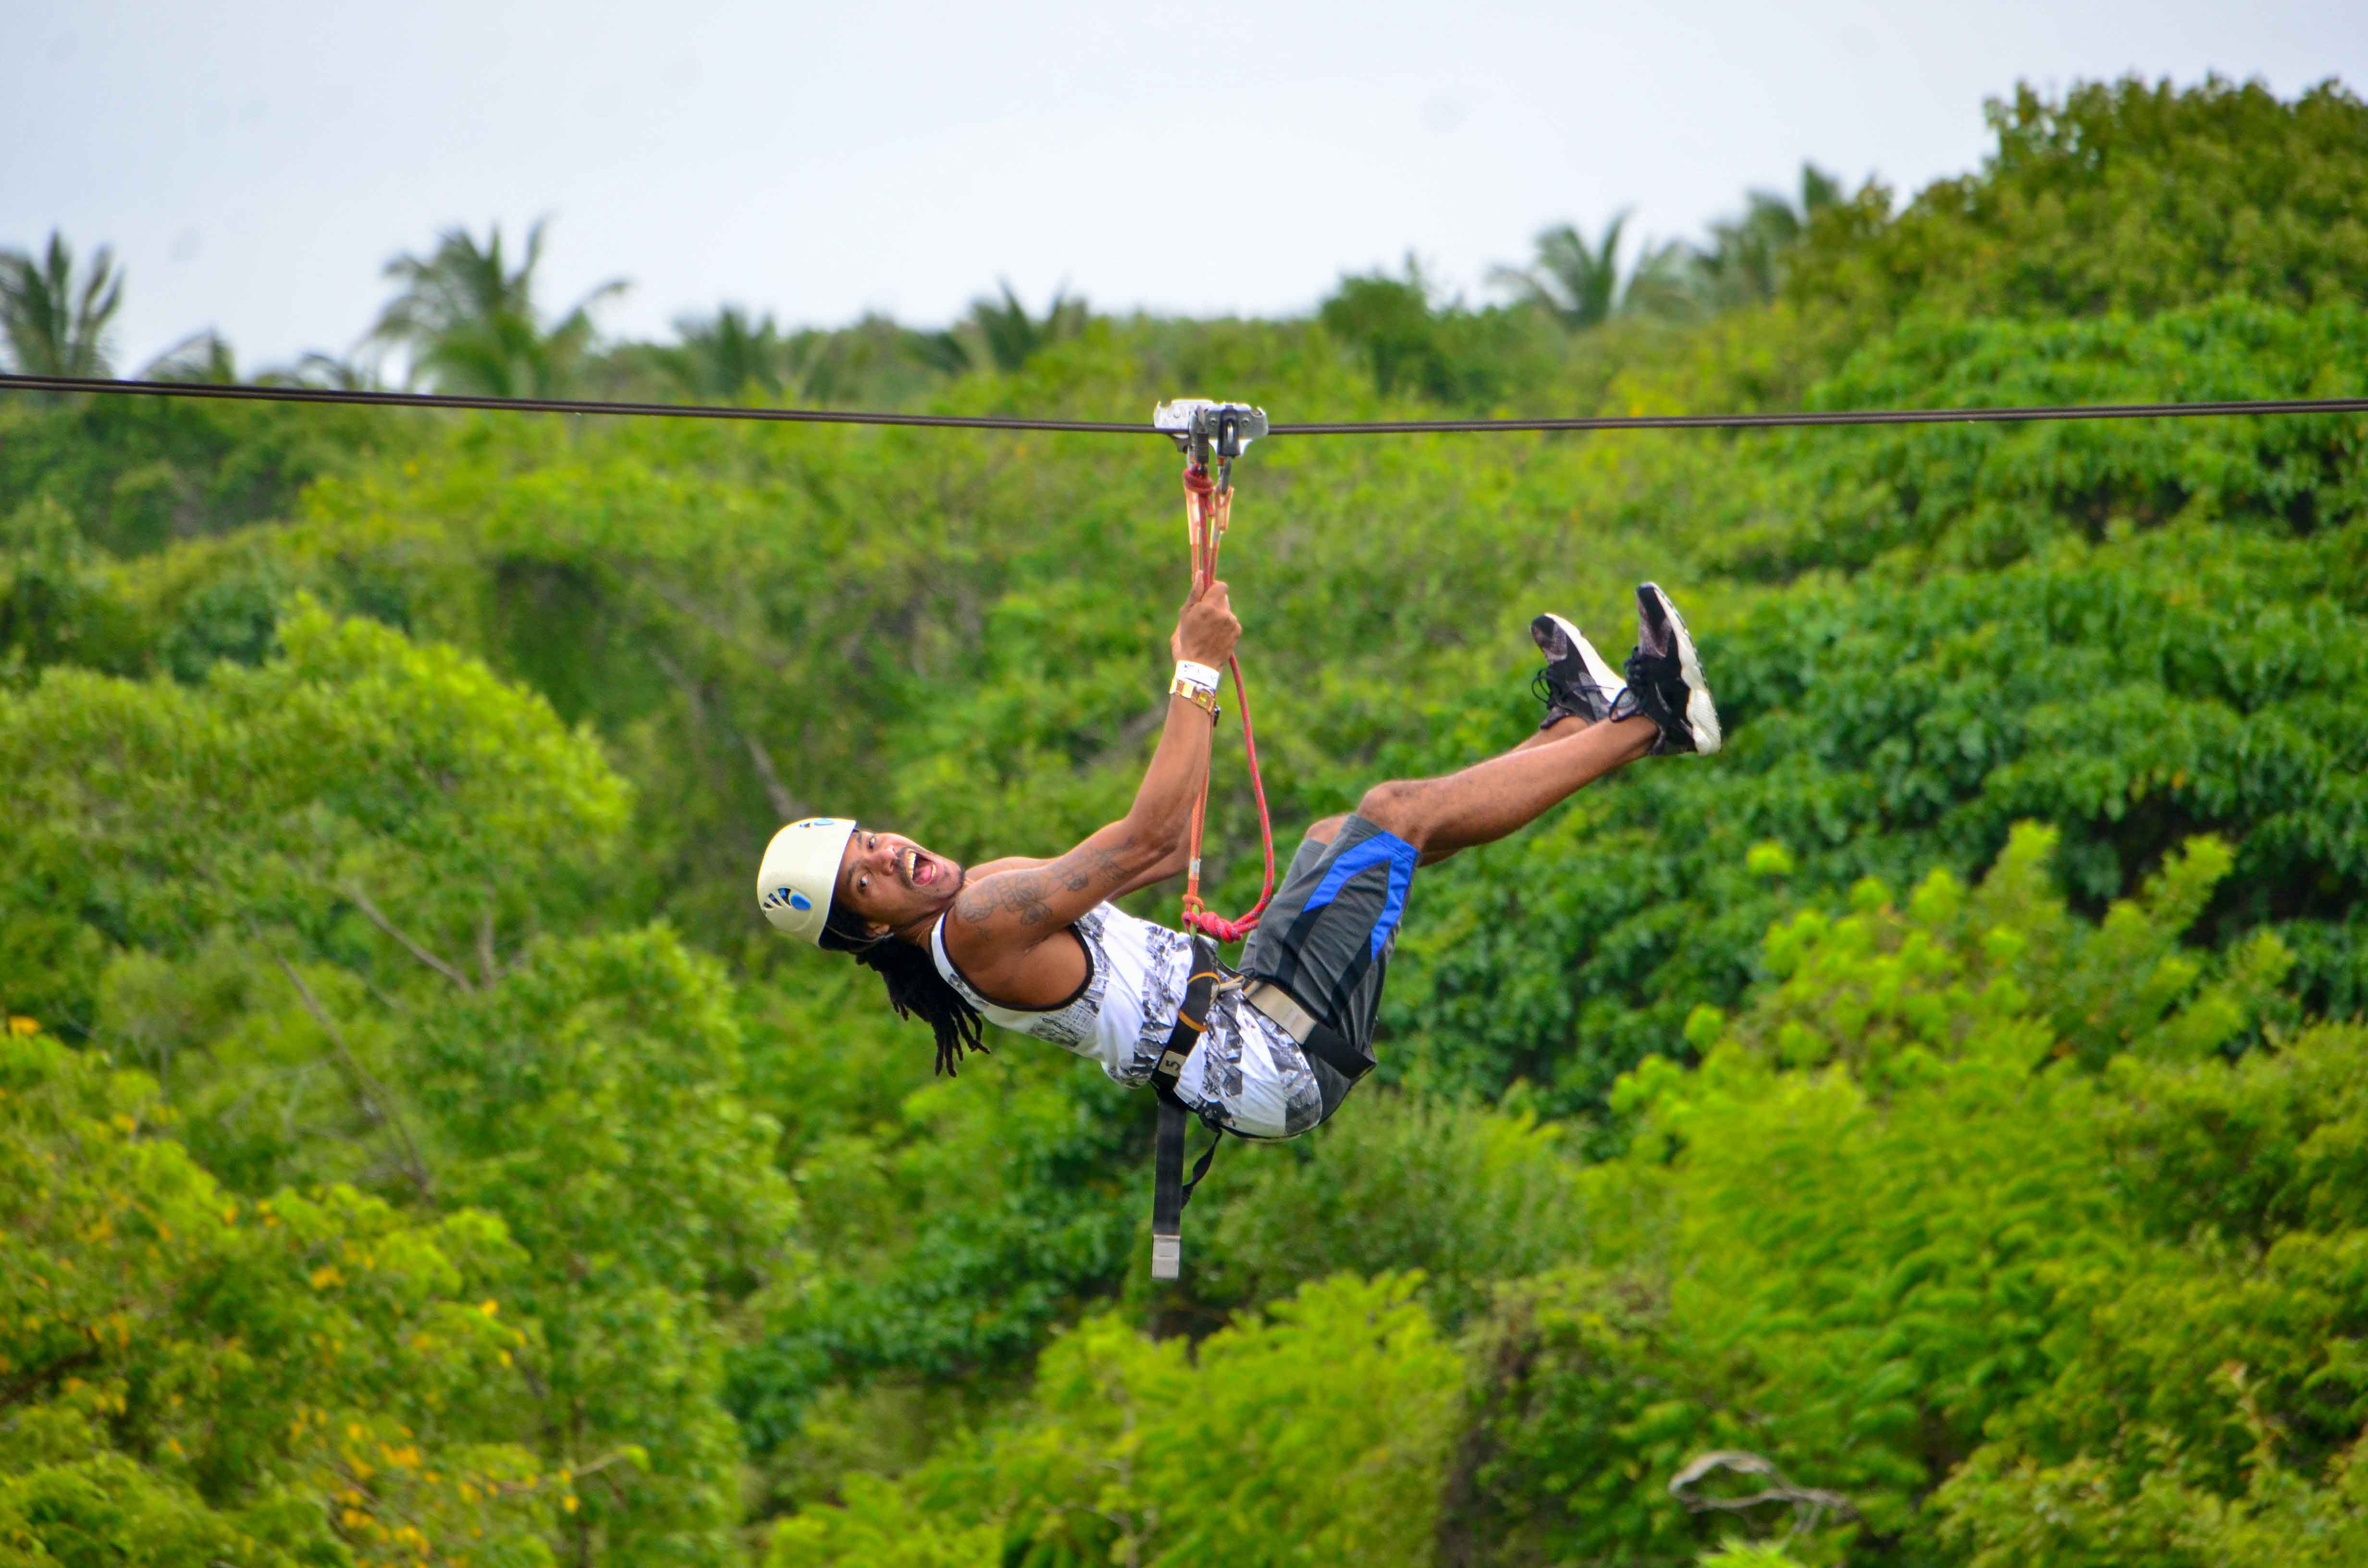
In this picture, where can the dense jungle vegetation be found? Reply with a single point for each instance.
(413, 1148)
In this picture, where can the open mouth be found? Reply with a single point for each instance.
(918, 869)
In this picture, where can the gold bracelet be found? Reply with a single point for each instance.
(1199, 697)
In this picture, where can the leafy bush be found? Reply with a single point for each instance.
(1312, 1433)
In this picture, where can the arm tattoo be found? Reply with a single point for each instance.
(1089, 864)
(1023, 892)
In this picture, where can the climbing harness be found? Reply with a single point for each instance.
(1211, 435)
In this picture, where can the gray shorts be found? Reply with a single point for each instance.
(1327, 936)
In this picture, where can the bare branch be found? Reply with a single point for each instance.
(486, 965)
(1809, 1504)
(380, 1103)
(789, 807)
(723, 631)
(786, 806)
(378, 918)
(683, 682)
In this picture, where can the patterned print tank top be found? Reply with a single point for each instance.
(1247, 1075)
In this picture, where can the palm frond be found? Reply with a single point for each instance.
(53, 324)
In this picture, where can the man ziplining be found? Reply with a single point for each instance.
(1039, 947)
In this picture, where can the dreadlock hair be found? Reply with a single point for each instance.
(914, 984)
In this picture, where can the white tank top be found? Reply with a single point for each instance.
(1247, 1072)
(1135, 973)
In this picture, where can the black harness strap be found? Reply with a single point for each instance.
(1169, 1190)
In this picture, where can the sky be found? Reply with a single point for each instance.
(255, 165)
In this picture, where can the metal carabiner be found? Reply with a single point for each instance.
(1204, 429)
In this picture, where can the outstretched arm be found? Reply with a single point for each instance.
(1002, 916)
(1173, 866)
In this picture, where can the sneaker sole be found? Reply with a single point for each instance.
(1607, 680)
(1701, 713)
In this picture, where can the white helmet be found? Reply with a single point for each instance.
(801, 872)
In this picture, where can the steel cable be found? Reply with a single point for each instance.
(245, 393)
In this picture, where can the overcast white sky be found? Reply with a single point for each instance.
(255, 165)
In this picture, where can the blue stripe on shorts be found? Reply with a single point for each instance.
(1381, 847)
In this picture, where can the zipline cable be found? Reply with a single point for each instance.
(240, 392)
(245, 393)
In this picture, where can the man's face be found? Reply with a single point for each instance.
(889, 881)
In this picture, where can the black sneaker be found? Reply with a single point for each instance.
(1665, 676)
(1577, 682)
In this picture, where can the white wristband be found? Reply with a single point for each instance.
(1199, 677)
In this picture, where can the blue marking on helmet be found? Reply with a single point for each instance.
(800, 901)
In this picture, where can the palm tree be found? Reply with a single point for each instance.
(723, 355)
(1581, 284)
(1745, 263)
(470, 323)
(939, 350)
(200, 357)
(1012, 337)
(326, 371)
(53, 325)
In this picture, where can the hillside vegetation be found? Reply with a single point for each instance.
(415, 1148)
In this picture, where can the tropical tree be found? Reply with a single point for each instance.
(492, 1059)
(723, 355)
(1012, 337)
(1745, 261)
(318, 369)
(1391, 319)
(1582, 285)
(1141, 1450)
(2132, 197)
(201, 356)
(195, 1375)
(470, 324)
(54, 324)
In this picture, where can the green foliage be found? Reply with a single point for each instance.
(137, 474)
(323, 897)
(1986, 496)
(1751, 254)
(1041, 1217)
(1946, 1101)
(1466, 1195)
(2124, 196)
(726, 354)
(1583, 1394)
(358, 774)
(55, 598)
(1012, 337)
(192, 1378)
(1449, 354)
(1311, 1434)
(1917, 1231)
(2131, 693)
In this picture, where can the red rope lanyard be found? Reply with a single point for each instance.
(1207, 510)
